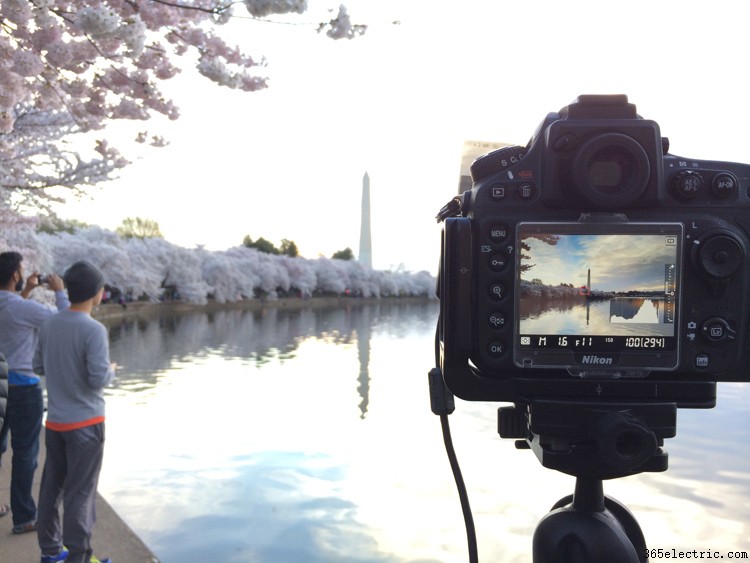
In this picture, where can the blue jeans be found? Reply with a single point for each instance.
(23, 418)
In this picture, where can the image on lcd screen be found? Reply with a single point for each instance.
(597, 284)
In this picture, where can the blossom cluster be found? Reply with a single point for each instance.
(144, 268)
(265, 8)
(341, 26)
(98, 62)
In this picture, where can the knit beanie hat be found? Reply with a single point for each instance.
(83, 281)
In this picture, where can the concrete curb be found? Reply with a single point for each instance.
(112, 537)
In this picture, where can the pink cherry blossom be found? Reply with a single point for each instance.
(142, 267)
(74, 66)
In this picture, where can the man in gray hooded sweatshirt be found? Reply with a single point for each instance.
(73, 352)
(20, 321)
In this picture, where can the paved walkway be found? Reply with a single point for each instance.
(112, 536)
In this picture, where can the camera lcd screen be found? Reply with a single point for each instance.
(598, 295)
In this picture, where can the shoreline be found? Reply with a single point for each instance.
(150, 310)
(112, 536)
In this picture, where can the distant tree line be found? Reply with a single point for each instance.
(289, 248)
(141, 228)
(137, 227)
(345, 254)
(131, 227)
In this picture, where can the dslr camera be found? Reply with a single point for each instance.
(592, 265)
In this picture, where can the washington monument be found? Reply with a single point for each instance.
(365, 236)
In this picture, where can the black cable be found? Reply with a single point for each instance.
(443, 404)
(471, 534)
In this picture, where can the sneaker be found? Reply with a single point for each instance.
(95, 559)
(25, 528)
(52, 558)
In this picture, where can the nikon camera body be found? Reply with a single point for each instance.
(594, 265)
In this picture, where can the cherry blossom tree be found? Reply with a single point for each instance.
(145, 267)
(71, 67)
(18, 233)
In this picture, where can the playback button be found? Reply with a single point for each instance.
(497, 192)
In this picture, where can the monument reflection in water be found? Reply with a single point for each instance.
(614, 316)
(287, 436)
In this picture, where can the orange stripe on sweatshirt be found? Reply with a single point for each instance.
(68, 426)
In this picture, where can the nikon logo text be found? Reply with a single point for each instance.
(596, 360)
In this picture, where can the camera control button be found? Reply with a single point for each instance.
(496, 349)
(526, 191)
(498, 262)
(717, 330)
(498, 233)
(497, 291)
(497, 192)
(497, 320)
(687, 184)
(724, 185)
(701, 361)
(721, 256)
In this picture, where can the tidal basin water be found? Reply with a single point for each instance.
(620, 316)
(307, 436)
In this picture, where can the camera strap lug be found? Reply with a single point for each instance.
(450, 209)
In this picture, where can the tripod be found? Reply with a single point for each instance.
(592, 442)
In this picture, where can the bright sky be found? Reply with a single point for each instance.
(398, 103)
(616, 262)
